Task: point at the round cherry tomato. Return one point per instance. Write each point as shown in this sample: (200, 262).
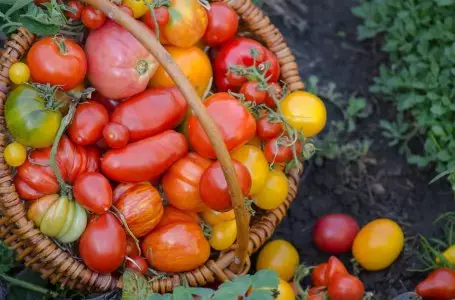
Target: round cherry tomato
(131, 248)
(345, 287)
(280, 256)
(88, 123)
(318, 275)
(102, 246)
(137, 263)
(449, 254)
(116, 135)
(285, 291)
(77, 6)
(334, 267)
(213, 217)
(93, 191)
(253, 93)
(92, 18)
(305, 112)
(335, 233)
(254, 160)
(175, 215)
(277, 90)
(214, 189)
(19, 73)
(267, 130)
(162, 18)
(15, 154)
(138, 7)
(223, 235)
(223, 24)
(279, 150)
(47, 56)
(378, 244)
(274, 191)
(440, 284)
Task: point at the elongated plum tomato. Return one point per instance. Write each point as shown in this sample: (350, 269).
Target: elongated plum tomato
(88, 123)
(346, 287)
(280, 256)
(176, 247)
(102, 246)
(175, 215)
(214, 188)
(440, 284)
(223, 24)
(181, 182)
(335, 233)
(137, 263)
(235, 123)
(93, 191)
(116, 135)
(118, 65)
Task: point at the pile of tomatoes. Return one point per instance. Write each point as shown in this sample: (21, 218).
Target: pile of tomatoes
(127, 173)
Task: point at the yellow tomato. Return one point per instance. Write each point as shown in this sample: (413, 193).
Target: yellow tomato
(254, 160)
(194, 63)
(138, 7)
(255, 141)
(280, 256)
(286, 291)
(274, 191)
(214, 217)
(223, 235)
(378, 244)
(19, 73)
(305, 112)
(449, 254)
(15, 154)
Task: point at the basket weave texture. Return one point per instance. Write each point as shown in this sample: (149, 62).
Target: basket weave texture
(41, 254)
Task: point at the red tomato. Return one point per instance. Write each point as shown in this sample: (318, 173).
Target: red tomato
(181, 182)
(109, 104)
(102, 246)
(273, 73)
(137, 263)
(88, 123)
(162, 17)
(39, 2)
(174, 215)
(345, 287)
(214, 189)
(318, 275)
(335, 233)
(267, 130)
(440, 284)
(145, 159)
(93, 18)
(223, 24)
(131, 248)
(235, 123)
(317, 297)
(77, 6)
(334, 267)
(47, 56)
(113, 77)
(151, 112)
(317, 291)
(116, 135)
(93, 191)
(277, 151)
(253, 92)
(277, 90)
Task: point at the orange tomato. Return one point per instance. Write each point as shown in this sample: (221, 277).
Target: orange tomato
(213, 217)
(175, 215)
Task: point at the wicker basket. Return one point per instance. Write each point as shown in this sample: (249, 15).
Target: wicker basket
(41, 254)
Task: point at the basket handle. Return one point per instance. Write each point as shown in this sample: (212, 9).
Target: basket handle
(150, 42)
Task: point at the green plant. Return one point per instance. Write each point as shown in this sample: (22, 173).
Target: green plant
(419, 38)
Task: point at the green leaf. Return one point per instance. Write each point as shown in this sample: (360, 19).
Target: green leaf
(203, 292)
(182, 293)
(35, 26)
(239, 285)
(445, 2)
(261, 295)
(135, 286)
(18, 5)
(20, 293)
(6, 258)
(265, 279)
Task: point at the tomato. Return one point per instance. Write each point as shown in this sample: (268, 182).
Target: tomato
(213, 187)
(346, 287)
(116, 135)
(177, 247)
(254, 160)
(187, 24)
(285, 291)
(145, 159)
(40, 2)
(88, 123)
(255, 141)
(181, 182)
(223, 24)
(138, 7)
(318, 275)
(102, 246)
(274, 191)
(64, 98)
(15, 154)
(137, 263)
(279, 150)
(334, 267)
(213, 217)
(253, 92)
(305, 112)
(440, 284)
(235, 123)
(109, 104)
(131, 248)
(449, 254)
(113, 77)
(273, 73)
(280, 256)
(175, 215)
(223, 235)
(54, 220)
(46, 57)
(162, 18)
(321, 290)
(19, 73)
(335, 233)
(93, 191)
(267, 130)
(277, 90)
(29, 120)
(74, 229)
(77, 6)
(151, 112)
(378, 244)
(193, 62)
(39, 207)
(92, 18)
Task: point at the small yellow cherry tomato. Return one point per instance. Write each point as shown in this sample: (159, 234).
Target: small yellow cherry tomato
(305, 112)
(19, 73)
(138, 7)
(449, 254)
(223, 235)
(280, 256)
(274, 191)
(255, 141)
(213, 217)
(286, 291)
(254, 160)
(378, 244)
(15, 154)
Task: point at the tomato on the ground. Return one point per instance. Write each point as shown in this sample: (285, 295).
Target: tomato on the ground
(346, 287)
(318, 275)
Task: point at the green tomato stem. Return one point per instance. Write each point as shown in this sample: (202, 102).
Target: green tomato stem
(28, 286)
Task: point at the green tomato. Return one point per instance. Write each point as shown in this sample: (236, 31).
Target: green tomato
(28, 119)
(69, 218)
(55, 218)
(77, 227)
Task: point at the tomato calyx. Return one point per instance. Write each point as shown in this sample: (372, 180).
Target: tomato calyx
(61, 44)
(142, 67)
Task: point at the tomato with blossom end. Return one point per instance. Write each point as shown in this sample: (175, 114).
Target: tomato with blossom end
(92, 18)
(267, 130)
(253, 92)
(77, 6)
(346, 287)
(162, 17)
(334, 267)
(223, 24)
(116, 135)
(214, 188)
(279, 150)
(318, 275)
(94, 192)
(276, 89)
(88, 123)
(137, 263)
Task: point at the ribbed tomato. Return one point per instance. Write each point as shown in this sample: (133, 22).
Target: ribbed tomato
(175, 215)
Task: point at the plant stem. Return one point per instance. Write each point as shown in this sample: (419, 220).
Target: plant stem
(28, 286)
